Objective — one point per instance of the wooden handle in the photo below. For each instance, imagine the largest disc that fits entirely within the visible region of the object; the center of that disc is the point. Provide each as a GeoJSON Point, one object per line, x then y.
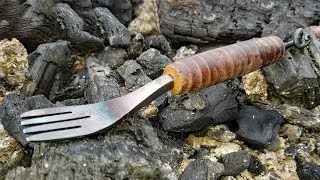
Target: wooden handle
{"type": "Point", "coordinates": [221, 64]}
{"type": "Point", "coordinates": [315, 30]}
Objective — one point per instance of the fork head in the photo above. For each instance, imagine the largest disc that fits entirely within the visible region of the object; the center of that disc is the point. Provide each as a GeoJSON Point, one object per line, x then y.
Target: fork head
{"type": "Point", "coordinates": [67, 122]}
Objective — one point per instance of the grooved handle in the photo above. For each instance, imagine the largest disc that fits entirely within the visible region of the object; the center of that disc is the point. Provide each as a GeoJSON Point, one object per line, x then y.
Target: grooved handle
{"type": "Point", "coordinates": [221, 64]}
{"type": "Point", "coordinates": [315, 30]}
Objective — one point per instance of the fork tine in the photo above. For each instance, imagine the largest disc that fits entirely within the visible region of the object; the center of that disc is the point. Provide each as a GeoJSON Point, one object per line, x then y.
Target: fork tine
{"type": "Point", "coordinates": [54, 118]}
{"type": "Point", "coordinates": [46, 112]}
{"type": "Point", "coordinates": [61, 134]}
{"type": "Point", "coordinates": [53, 126]}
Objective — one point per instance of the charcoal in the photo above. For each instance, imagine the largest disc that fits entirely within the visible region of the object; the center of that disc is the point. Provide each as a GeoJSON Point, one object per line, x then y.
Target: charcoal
{"type": "Point", "coordinates": [38, 22]}
{"type": "Point", "coordinates": [72, 102]}
{"type": "Point", "coordinates": [137, 46]}
{"type": "Point", "coordinates": [130, 150]}
{"type": "Point", "coordinates": [121, 9]}
{"type": "Point", "coordinates": [153, 62]}
{"type": "Point", "coordinates": [115, 33]}
{"type": "Point", "coordinates": [200, 169]}
{"type": "Point", "coordinates": [68, 85]}
{"type": "Point", "coordinates": [236, 162]}
{"type": "Point", "coordinates": [194, 111]}
{"type": "Point", "coordinates": [228, 21]}
{"type": "Point", "coordinates": [113, 57]}
{"type": "Point", "coordinates": [77, 5]}
{"type": "Point", "coordinates": [160, 43]}
{"type": "Point", "coordinates": [13, 106]}
{"type": "Point", "coordinates": [45, 66]}
{"type": "Point", "coordinates": [294, 78]}
{"type": "Point", "coordinates": [101, 83]}
{"type": "Point", "coordinates": [255, 166]}
{"type": "Point", "coordinates": [133, 75]}
{"type": "Point", "coordinates": [258, 127]}
{"type": "Point", "coordinates": [307, 169]}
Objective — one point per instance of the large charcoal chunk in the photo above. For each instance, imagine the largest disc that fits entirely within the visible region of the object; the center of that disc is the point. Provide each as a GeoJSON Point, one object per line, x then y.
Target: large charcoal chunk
{"type": "Point", "coordinates": [258, 127]}
{"type": "Point", "coordinates": [101, 82]}
{"type": "Point", "coordinates": [236, 162]}
{"type": "Point", "coordinates": [13, 106]}
{"type": "Point", "coordinates": [121, 9]}
{"type": "Point", "coordinates": [133, 75]}
{"type": "Point", "coordinates": [307, 169]}
{"type": "Point", "coordinates": [47, 60]}
{"type": "Point", "coordinates": [200, 169]}
{"type": "Point", "coordinates": [160, 43]}
{"type": "Point", "coordinates": [192, 112]}
{"type": "Point", "coordinates": [153, 62]}
{"type": "Point", "coordinates": [103, 23]}
{"type": "Point", "coordinates": [132, 150]}
{"type": "Point", "coordinates": [38, 22]}
{"type": "Point", "coordinates": [113, 57]}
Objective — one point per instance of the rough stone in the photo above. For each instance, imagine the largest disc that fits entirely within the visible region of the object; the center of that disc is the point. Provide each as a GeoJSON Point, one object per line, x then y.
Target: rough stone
{"type": "Point", "coordinates": [153, 62]}
{"type": "Point", "coordinates": [184, 52]}
{"type": "Point", "coordinates": [290, 132]}
{"type": "Point", "coordinates": [147, 20]}
{"type": "Point", "coordinates": [202, 169]}
{"type": "Point", "coordinates": [307, 169]}
{"type": "Point", "coordinates": [257, 127]}
{"type": "Point", "coordinates": [13, 106]}
{"type": "Point", "coordinates": [13, 63]}
{"type": "Point", "coordinates": [221, 133]}
{"type": "Point", "coordinates": [101, 82]}
{"type": "Point", "coordinates": [235, 162]}
{"type": "Point", "coordinates": [213, 105]}
{"type": "Point", "coordinates": [133, 75]}
{"type": "Point", "coordinates": [8, 146]}
{"type": "Point", "coordinates": [113, 57]}
{"type": "Point", "coordinates": [255, 86]}
{"type": "Point", "coordinates": [160, 43]}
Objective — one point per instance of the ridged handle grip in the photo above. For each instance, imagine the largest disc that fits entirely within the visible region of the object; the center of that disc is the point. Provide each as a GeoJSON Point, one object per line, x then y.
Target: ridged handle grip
{"type": "Point", "coordinates": [315, 30]}
{"type": "Point", "coordinates": [221, 64]}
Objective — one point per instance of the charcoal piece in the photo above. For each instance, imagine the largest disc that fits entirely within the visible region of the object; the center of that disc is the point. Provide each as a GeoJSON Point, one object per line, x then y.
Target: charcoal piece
{"type": "Point", "coordinates": [45, 62]}
{"type": "Point", "coordinates": [133, 75]}
{"type": "Point", "coordinates": [258, 127]}
{"type": "Point", "coordinates": [160, 43]}
{"type": "Point", "coordinates": [228, 21]}
{"type": "Point", "coordinates": [200, 169]}
{"type": "Point", "coordinates": [307, 169]}
{"type": "Point", "coordinates": [137, 46]}
{"type": "Point", "coordinates": [13, 106]}
{"type": "Point", "coordinates": [104, 24]}
{"type": "Point", "coordinates": [102, 84]}
{"type": "Point", "coordinates": [236, 162]}
{"type": "Point", "coordinates": [294, 78]}
{"type": "Point", "coordinates": [304, 147]}
{"type": "Point", "coordinates": [153, 62]}
{"type": "Point", "coordinates": [113, 57]}
{"type": "Point", "coordinates": [255, 166]}
{"type": "Point", "coordinates": [77, 5]}
{"type": "Point", "coordinates": [213, 105]}
{"type": "Point", "coordinates": [121, 9]}
{"type": "Point", "coordinates": [72, 102]}
{"type": "Point", "coordinates": [131, 150]}
{"type": "Point", "coordinates": [68, 85]}
{"type": "Point", "coordinates": [38, 22]}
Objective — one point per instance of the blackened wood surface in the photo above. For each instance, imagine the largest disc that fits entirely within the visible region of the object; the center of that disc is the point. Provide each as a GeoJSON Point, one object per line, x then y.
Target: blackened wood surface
{"type": "Point", "coordinates": [228, 20]}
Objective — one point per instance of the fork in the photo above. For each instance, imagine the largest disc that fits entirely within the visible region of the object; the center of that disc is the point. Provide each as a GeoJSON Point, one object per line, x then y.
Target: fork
{"type": "Point", "coordinates": [72, 121]}
{"type": "Point", "coordinates": [183, 76]}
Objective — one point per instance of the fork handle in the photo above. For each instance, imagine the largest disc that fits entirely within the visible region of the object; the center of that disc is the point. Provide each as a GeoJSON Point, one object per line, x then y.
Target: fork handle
{"type": "Point", "coordinates": [221, 64]}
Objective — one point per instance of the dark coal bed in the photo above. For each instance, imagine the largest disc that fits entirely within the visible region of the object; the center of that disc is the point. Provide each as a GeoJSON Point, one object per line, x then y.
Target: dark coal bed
{"type": "Point", "coordinates": [264, 125]}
